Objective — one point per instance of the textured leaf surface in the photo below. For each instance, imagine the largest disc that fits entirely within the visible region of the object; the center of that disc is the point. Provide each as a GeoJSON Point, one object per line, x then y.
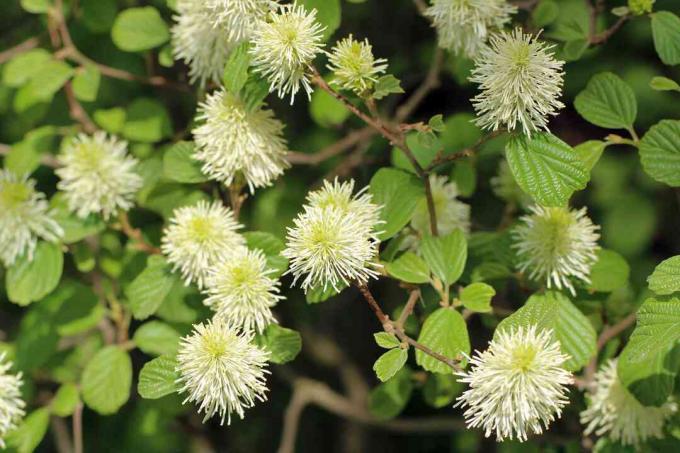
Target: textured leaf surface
{"type": "Point", "coordinates": [666, 277]}
{"type": "Point", "coordinates": [398, 193]}
{"type": "Point", "coordinates": [546, 168]}
{"type": "Point", "coordinates": [445, 332]}
{"type": "Point", "coordinates": [147, 292]}
{"type": "Point", "coordinates": [179, 164]}
{"type": "Point", "coordinates": [386, 340]}
{"type": "Point", "coordinates": [570, 327]}
{"type": "Point", "coordinates": [409, 268]}
{"type": "Point", "coordinates": [29, 281]}
{"type": "Point", "coordinates": [446, 255]}
{"type": "Point", "coordinates": [610, 271]}
{"type": "Point", "coordinates": [390, 363]}
{"type": "Point", "coordinates": [106, 380]}
{"type": "Point", "coordinates": [31, 431]}
{"type": "Point", "coordinates": [666, 33]}
{"type": "Point", "coordinates": [283, 344]}
{"type": "Point", "coordinates": [157, 338]}
{"type": "Point", "coordinates": [660, 152]}
{"type": "Point", "coordinates": [158, 377]}
{"type": "Point", "coordinates": [607, 101]}
{"type": "Point", "coordinates": [648, 365]}
{"type": "Point", "coordinates": [477, 297]}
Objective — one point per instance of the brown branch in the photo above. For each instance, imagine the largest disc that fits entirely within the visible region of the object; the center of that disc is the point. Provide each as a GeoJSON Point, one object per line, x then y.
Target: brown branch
{"type": "Point", "coordinates": [382, 317]}
{"type": "Point", "coordinates": [607, 334]}
{"type": "Point", "coordinates": [60, 432]}
{"type": "Point", "coordinates": [135, 234]}
{"type": "Point", "coordinates": [408, 308]}
{"type": "Point", "coordinates": [77, 111]}
{"type": "Point", "coordinates": [333, 150]}
{"type": "Point", "coordinates": [78, 429]}
{"type": "Point", "coordinates": [25, 46]}
{"type": "Point", "coordinates": [595, 38]}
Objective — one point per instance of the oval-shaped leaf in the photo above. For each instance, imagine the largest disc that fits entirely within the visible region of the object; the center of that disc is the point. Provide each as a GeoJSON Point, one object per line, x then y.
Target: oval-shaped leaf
{"type": "Point", "coordinates": [179, 164]}
{"type": "Point", "coordinates": [546, 168]}
{"type": "Point", "coordinates": [106, 380]}
{"type": "Point", "coordinates": [610, 272]}
{"type": "Point", "coordinates": [390, 363]}
{"type": "Point", "coordinates": [666, 34]}
{"type": "Point", "coordinates": [409, 268]}
{"type": "Point", "coordinates": [158, 378]}
{"type": "Point", "coordinates": [445, 332]}
{"type": "Point", "coordinates": [660, 152]}
{"type": "Point", "coordinates": [147, 292]}
{"type": "Point", "coordinates": [607, 101]}
{"type": "Point", "coordinates": [137, 29]}
{"type": "Point", "coordinates": [388, 399]}
{"type": "Point", "coordinates": [446, 255]}
{"type": "Point", "coordinates": [666, 277]}
{"type": "Point", "coordinates": [157, 338]}
{"type": "Point", "coordinates": [398, 193]}
{"type": "Point", "coordinates": [477, 297]}
{"type": "Point", "coordinates": [30, 280]}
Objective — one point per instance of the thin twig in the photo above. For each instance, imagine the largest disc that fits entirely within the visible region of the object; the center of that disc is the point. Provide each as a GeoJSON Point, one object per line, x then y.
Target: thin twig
{"type": "Point", "coordinates": [408, 308]}
{"type": "Point", "coordinates": [78, 428]}
{"type": "Point", "coordinates": [135, 234]}
{"type": "Point", "coordinates": [77, 111]}
{"type": "Point", "coordinates": [333, 150]}
{"type": "Point", "coordinates": [25, 46]}
{"type": "Point", "coordinates": [607, 334]}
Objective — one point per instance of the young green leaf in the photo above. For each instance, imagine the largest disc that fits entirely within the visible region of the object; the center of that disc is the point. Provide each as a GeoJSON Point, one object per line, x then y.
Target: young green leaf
{"type": "Point", "coordinates": [86, 83]}
{"type": "Point", "coordinates": [147, 292]}
{"type": "Point", "coordinates": [665, 279]}
{"type": "Point", "coordinates": [390, 363]}
{"type": "Point", "coordinates": [386, 85]}
{"type": "Point", "coordinates": [477, 297]}
{"type": "Point", "coordinates": [666, 34]}
{"type": "Point", "coordinates": [386, 340]}
{"type": "Point", "coordinates": [158, 378]}
{"type": "Point", "coordinates": [664, 84]}
{"type": "Point", "coordinates": [65, 400]}
{"type": "Point", "coordinates": [388, 399]}
{"type": "Point", "coordinates": [445, 332]}
{"type": "Point", "coordinates": [660, 152]}
{"type": "Point", "coordinates": [157, 338]}
{"type": "Point", "coordinates": [282, 343]}
{"type": "Point", "coordinates": [409, 268]}
{"type": "Point", "coordinates": [607, 101]}
{"type": "Point", "coordinates": [179, 164]}
{"type": "Point", "coordinates": [446, 255]}
{"type": "Point", "coordinates": [30, 433]}
{"type": "Point", "coordinates": [610, 272]}
{"type": "Point", "coordinates": [106, 380]}
{"type": "Point", "coordinates": [398, 193]}
{"type": "Point", "coordinates": [139, 29]}
{"type": "Point", "coordinates": [30, 280]}
{"type": "Point", "coordinates": [236, 70]}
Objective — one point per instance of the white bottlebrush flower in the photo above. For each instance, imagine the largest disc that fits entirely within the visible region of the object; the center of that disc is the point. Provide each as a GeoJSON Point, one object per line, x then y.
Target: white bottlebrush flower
{"type": "Point", "coordinates": [613, 412]}
{"type": "Point", "coordinates": [222, 371]}
{"type": "Point", "coordinates": [206, 31]}
{"type": "Point", "coordinates": [98, 176]}
{"type": "Point", "coordinates": [284, 47]}
{"type": "Point", "coordinates": [24, 217]}
{"type": "Point", "coordinates": [556, 245]}
{"type": "Point", "coordinates": [11, 404]}
{"type": "Point", "coordinates": [241, 292]}
{"type": "Point", "coordinates": [517, 386]}
{"type": "Point", "coordinates": [463, 26]}
{"type": "Point", "coordinates": [520, 83]}
{"type": "Point", "coordinates": [199, 237]}
{"type": "Point", "coordinates": [451, 213]}
{"type": "Point", "coordinates": [235, 140]}
{"type": "Point", "coordinates": [334, 240]}
{"type": "Point", "coordinates": [353, 65]}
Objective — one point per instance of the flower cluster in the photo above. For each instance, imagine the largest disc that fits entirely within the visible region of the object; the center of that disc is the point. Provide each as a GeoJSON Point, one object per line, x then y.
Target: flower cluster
{"type": "Point", "coordinates": [614, 412]}
{"type": "Point", "coordinates": [98, 175]}
{"type": "Point", "coordinates": [221, 369]}
{"type": "Point", "coordinates": [555, 245]}
{"type": "Point", "coordinates": [206, 31]}
{"type": "Point", "coordinates": [334, 240]}
{"type": "Point", "coordinates": [463, 26]}
{"type": "Point", "coordinates": [24, 217]}
{"type": "Point", "coordinates": [517, 386]}
{"type": "Point", "coordinates": [284, 47]}
{"type": "Point", "coordinates": [241, 292]}
{"type": "Point", "coordinates": [353, 65]}
{"type": "Point", "coordinates": [11, 404]}
{"type": "Point", "coordinates": [237, 141]}
{"type": "Point", "coordinates": [199, 237]}
{"type": "Point", "coordinates": [520, 82]}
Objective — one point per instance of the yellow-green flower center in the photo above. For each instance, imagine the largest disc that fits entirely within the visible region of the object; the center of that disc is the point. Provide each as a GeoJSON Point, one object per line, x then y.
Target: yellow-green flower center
{"type": "Point", "coordinates": [14, 194]}
{"type": "Point", "coordinates": [201, 229]}
{"type": "Point", "coordinates": [523, 357]}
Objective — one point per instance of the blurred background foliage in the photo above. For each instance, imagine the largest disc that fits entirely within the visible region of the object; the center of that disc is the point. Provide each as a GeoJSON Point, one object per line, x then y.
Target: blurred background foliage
{"type": "Point", "coordinates": [639, 217]}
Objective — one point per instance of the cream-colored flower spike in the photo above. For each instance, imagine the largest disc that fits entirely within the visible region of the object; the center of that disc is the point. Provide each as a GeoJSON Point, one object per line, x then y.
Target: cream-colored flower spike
{"type": "Point", "coordinates": [520, 83]}
{"type": "Point", "coordinates": [206, 31]}
{"type": "Point", "coordinates": [236, 141]}
{"type": "Point", "coordinates": [284, 46]}
{"type": "Point", "coordinates": [221, 370]}
{"type": "Point", "coordinates": [451, 212]}
{"type": "Point", "coordinates": [613, 412]}
{"type": "Point", "coordinates": [11, 404]}
{"type": "Point", "coordinates": [463, 26]}
{"type": "Point", "coordinates": [98, 176]}
{"type": "Point", "coordinates": [241, 291]}
{"type": "Point", "coordinates": [334, 241]}
{"type": "Point", "coordinates": [517, 386]}
{"type": "Point", "coordinates": [556, 245]}
{"type": "Point", "coordinates": [353, 65]}
{"type": "Point", "coordinates": [199, 237]}
{"type": "Point", "coordinates": [25, 216]}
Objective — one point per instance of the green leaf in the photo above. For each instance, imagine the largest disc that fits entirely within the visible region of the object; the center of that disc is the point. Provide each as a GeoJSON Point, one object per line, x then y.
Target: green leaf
{"type": "Point", "coordinates": [79, 311]}
{"type": "Point", "coordinates": [65, 400]}
{"type": "Point", "coordinates": [43, 85]}
{"type": "Point", "coordinates": [158, 378]}
{"type": "Point", "coordinates": [477, 297]}
{"type": "Point", "coordinates": [271, 246]}
{"type": "Point", "coordinates": [98, 15]}
{"type": "Point", "coordinates": [319, 294]}
{"type": "Point", "coordinates": [570, 327]}
{"type": "Point", "coordinates": [390, 363]}
{"type": "Point", "coordinates": [386, 85]}
{"type": "Point", "coordinates": [610, 272]}
{"type": "Point", "coordinates": [386, 340]}
{"type": "Point", "coordinates": [30, 433]}
{"type": "Point", "coordinates": [328, 14]}
{"type": "Point", "coordinates": [75, 228]}
{"type": "Point", "coordinates": [664, 84]}
{"type": "Point", "coordinates": [179, 164]}
{"type": "Point", "coordinates": [446, 255]}
{"type": "Point", "coordinates": [36, 6]}
{"type": "Point", "coordinates": [648, 365]}
{"type": "Point", "coordinates": [660, 152]}
{"type": "Point", "coordinates": [545, 13]}
{"type": "Point", "coordinates": [138, 29]}
{"type": "Point", "coordinates": [236, 69]}
{"type": "Point", "coordinates": [106, 380]}
{"type": "Point", "coordinates": [29, 281]}
{"type": "Point", "coordinates": [157, 338]}
{"type": "Point", "coordinates": [388, 399]}
{"type": "Point", "coordinates": [441, 389]}
{"type": "Point", "coordinates": [607, 101]}
{"type": "Point", "coordinates": [665, 279]}
{"type": "Point", "coordinates": [86, 83]}
{"type": "Point", "coordinates": [24, 157]}
{"type": "Point", "coordinates": [148, 291]}
{"type": "Point", "coordinates": [147, 121]}
{"type": "Point", "coordinates": [445, 332]}
{"type": "Point", "coordinates": [590, 152]}
{"type": "Point", "coordinates": [398, 193]}
{"type": "Point", "coordinates": [111, 120]}
{"type": "Point", "coordinates": [283, 344]}
{"type": "Point", "coordinates": [326, 111]}
{"type": "Point", "coordinates": [23, 67]}
{"type": "Point", "coordinates": [409, 268]}
{"type": "Point", "coordinates": [666, 33]}
{"type": "Point", "coordinates": [546, 168]}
